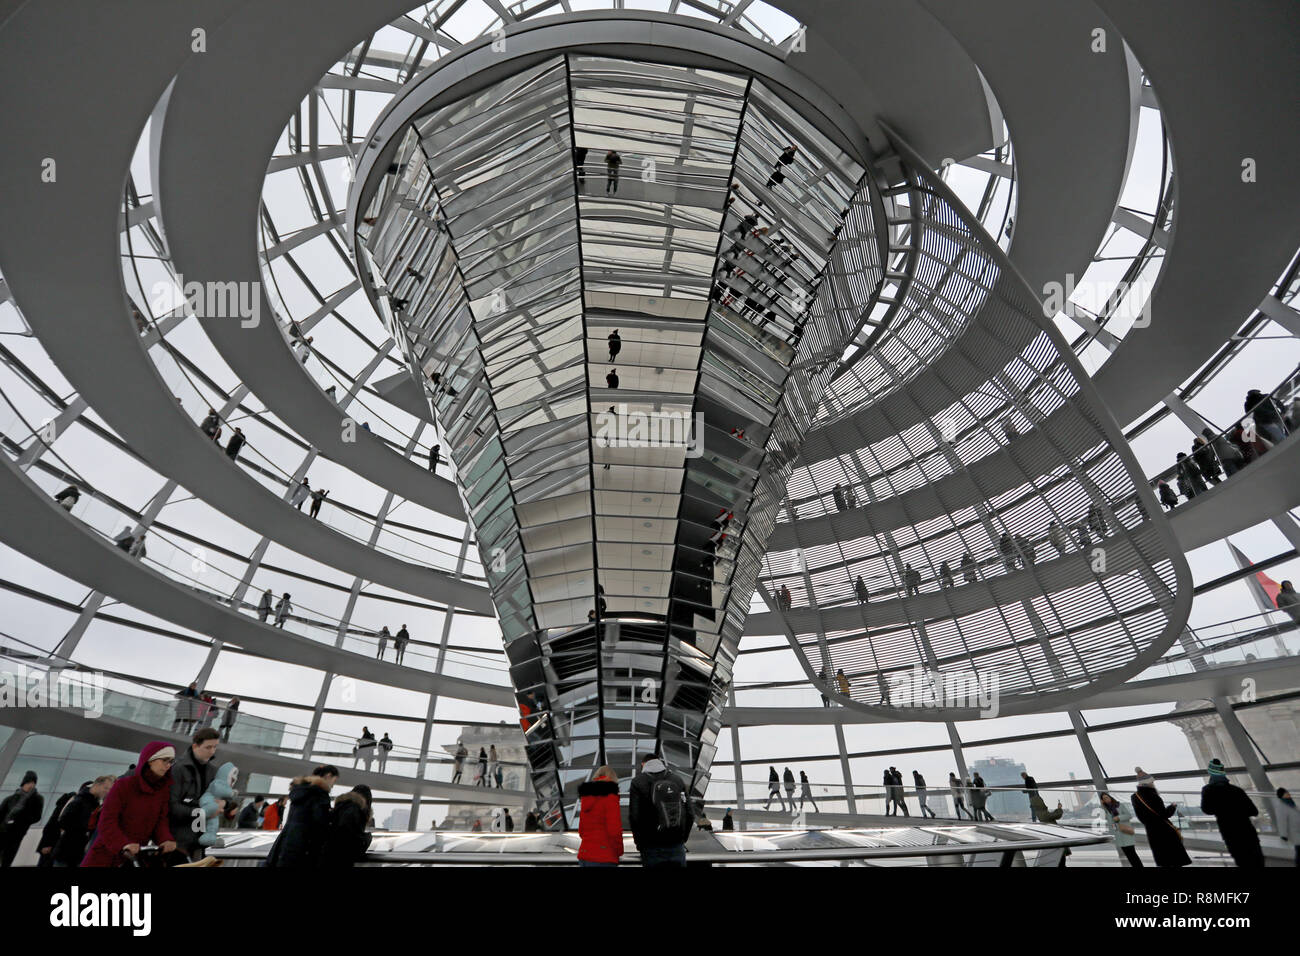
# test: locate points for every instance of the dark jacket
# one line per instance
(190, 780)
(74, 828)
(1233, 808)
(19, 811)
(53, 827)
(302, 838)
(347, 840)
(599, 823)
(135, 811)
(1164, 839)
(644, 818)
(1263, 408)
(1206, 460)
(248, 817)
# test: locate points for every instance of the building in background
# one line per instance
(510, 752)
(1274, 727)
(1003, 772)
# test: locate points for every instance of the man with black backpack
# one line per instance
(659, 813)
(50, 835)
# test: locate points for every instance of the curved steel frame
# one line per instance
(1044, 621)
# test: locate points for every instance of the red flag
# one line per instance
(1264, 588)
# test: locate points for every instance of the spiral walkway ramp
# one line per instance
(385, 247)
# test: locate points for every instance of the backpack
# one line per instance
(60, 805)
(668, 799)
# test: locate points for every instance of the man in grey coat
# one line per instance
(191, 774)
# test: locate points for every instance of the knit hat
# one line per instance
(154, 752)
(28, 777)
(1216, 768)
(1144, 779)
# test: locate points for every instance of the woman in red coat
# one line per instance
(271, 817)
(599, 822)
(135, 810)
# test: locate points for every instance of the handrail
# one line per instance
(173, 712)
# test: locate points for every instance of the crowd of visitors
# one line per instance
(196, 709)
(158, 811)
(1012, 552)
(1217, 456)
(1213, 458)
(775, 782)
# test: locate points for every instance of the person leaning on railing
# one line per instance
(1232, 458)
(1289, 601)
(1268, 417)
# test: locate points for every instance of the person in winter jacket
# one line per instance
(773, 788)
(1252, 443)
(348, 840)
(891, 793)
(1287, 816)
(1168, 497)
(302, 839)
(264, 605)
(1206, 460)
(52, 829)
(1268, 417)
(247, 819)
(787, 778)
(236, 442)
(600, 825)
(1288, 600)
(75, 821)
(283, 609)
(1233, 808)
(1190, 481)
(228, 718)
(1162, 836)
(364, 748)
(191, 774)
(68, 497)
(1229, 455)
(922, 795)
(1121, 825)
(531, 823)
(659, 813)
(19, 811)
(958, 793)
(979, 798)
(136, 810)
(1041, 813)
(211, 424)
(273, 816)
(187, 709)
(458, 765)
(805, 792)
